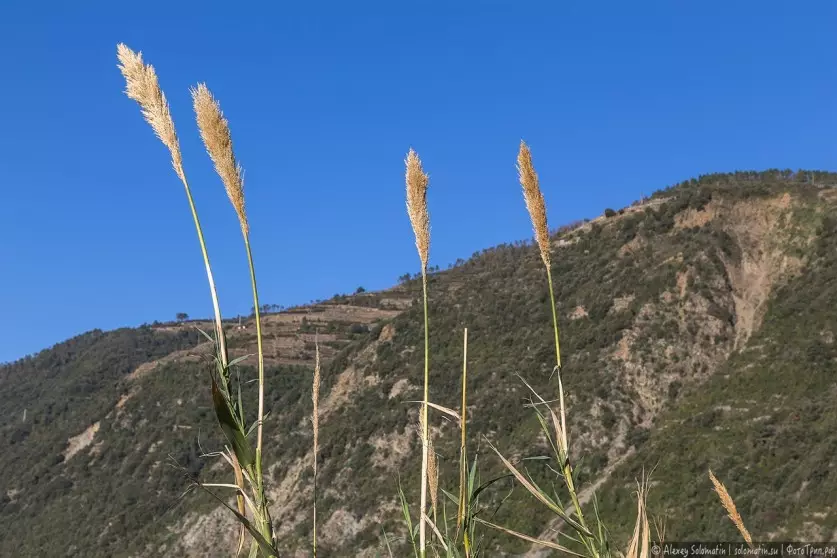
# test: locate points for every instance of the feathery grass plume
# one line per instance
(215, 132)
(732, 511)
(534, 200)
(217, 138)
(537, 212)
(315, 420)
(417, 181)
(143, 87)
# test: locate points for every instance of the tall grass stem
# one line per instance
(463, 456)
(315, 420)
(554, 317)
(424, 433)
(416, 182)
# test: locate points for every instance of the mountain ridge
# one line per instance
(655, 300)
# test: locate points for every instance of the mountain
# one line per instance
(697, 332)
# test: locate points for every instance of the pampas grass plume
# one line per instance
(417, 182)
(534, 199)
(215, 132)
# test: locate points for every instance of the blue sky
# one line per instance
(616, 99)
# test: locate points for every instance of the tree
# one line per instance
(360, 290)
(182, 316)
(609, 212)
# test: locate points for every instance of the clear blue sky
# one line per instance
(616, 99)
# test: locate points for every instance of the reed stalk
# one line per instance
(215, 133)
(142, 85)
(417, 182)
(638, 545)
(463, 456)
(315, 420)
(536, 206)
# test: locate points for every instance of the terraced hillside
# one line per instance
(108, 424)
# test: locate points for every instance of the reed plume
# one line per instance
(217, 138)
(216, 135)
(536, 207)
(732, 511)
(534, 200)
(537, 212)
(143, 87)
(417, 181)
(315, 420)
(215, 132)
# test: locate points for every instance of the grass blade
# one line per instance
(540, 496)
(257, 537)
(541, 542)
(230, 427)
(405, 509)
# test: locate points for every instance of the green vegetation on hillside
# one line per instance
(766, 418)
(670, 352)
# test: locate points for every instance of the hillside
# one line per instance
(697, 331)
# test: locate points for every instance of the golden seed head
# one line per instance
(143, 87)
(729, 505)
(215, 132)
(534, 199)
(417, 182)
